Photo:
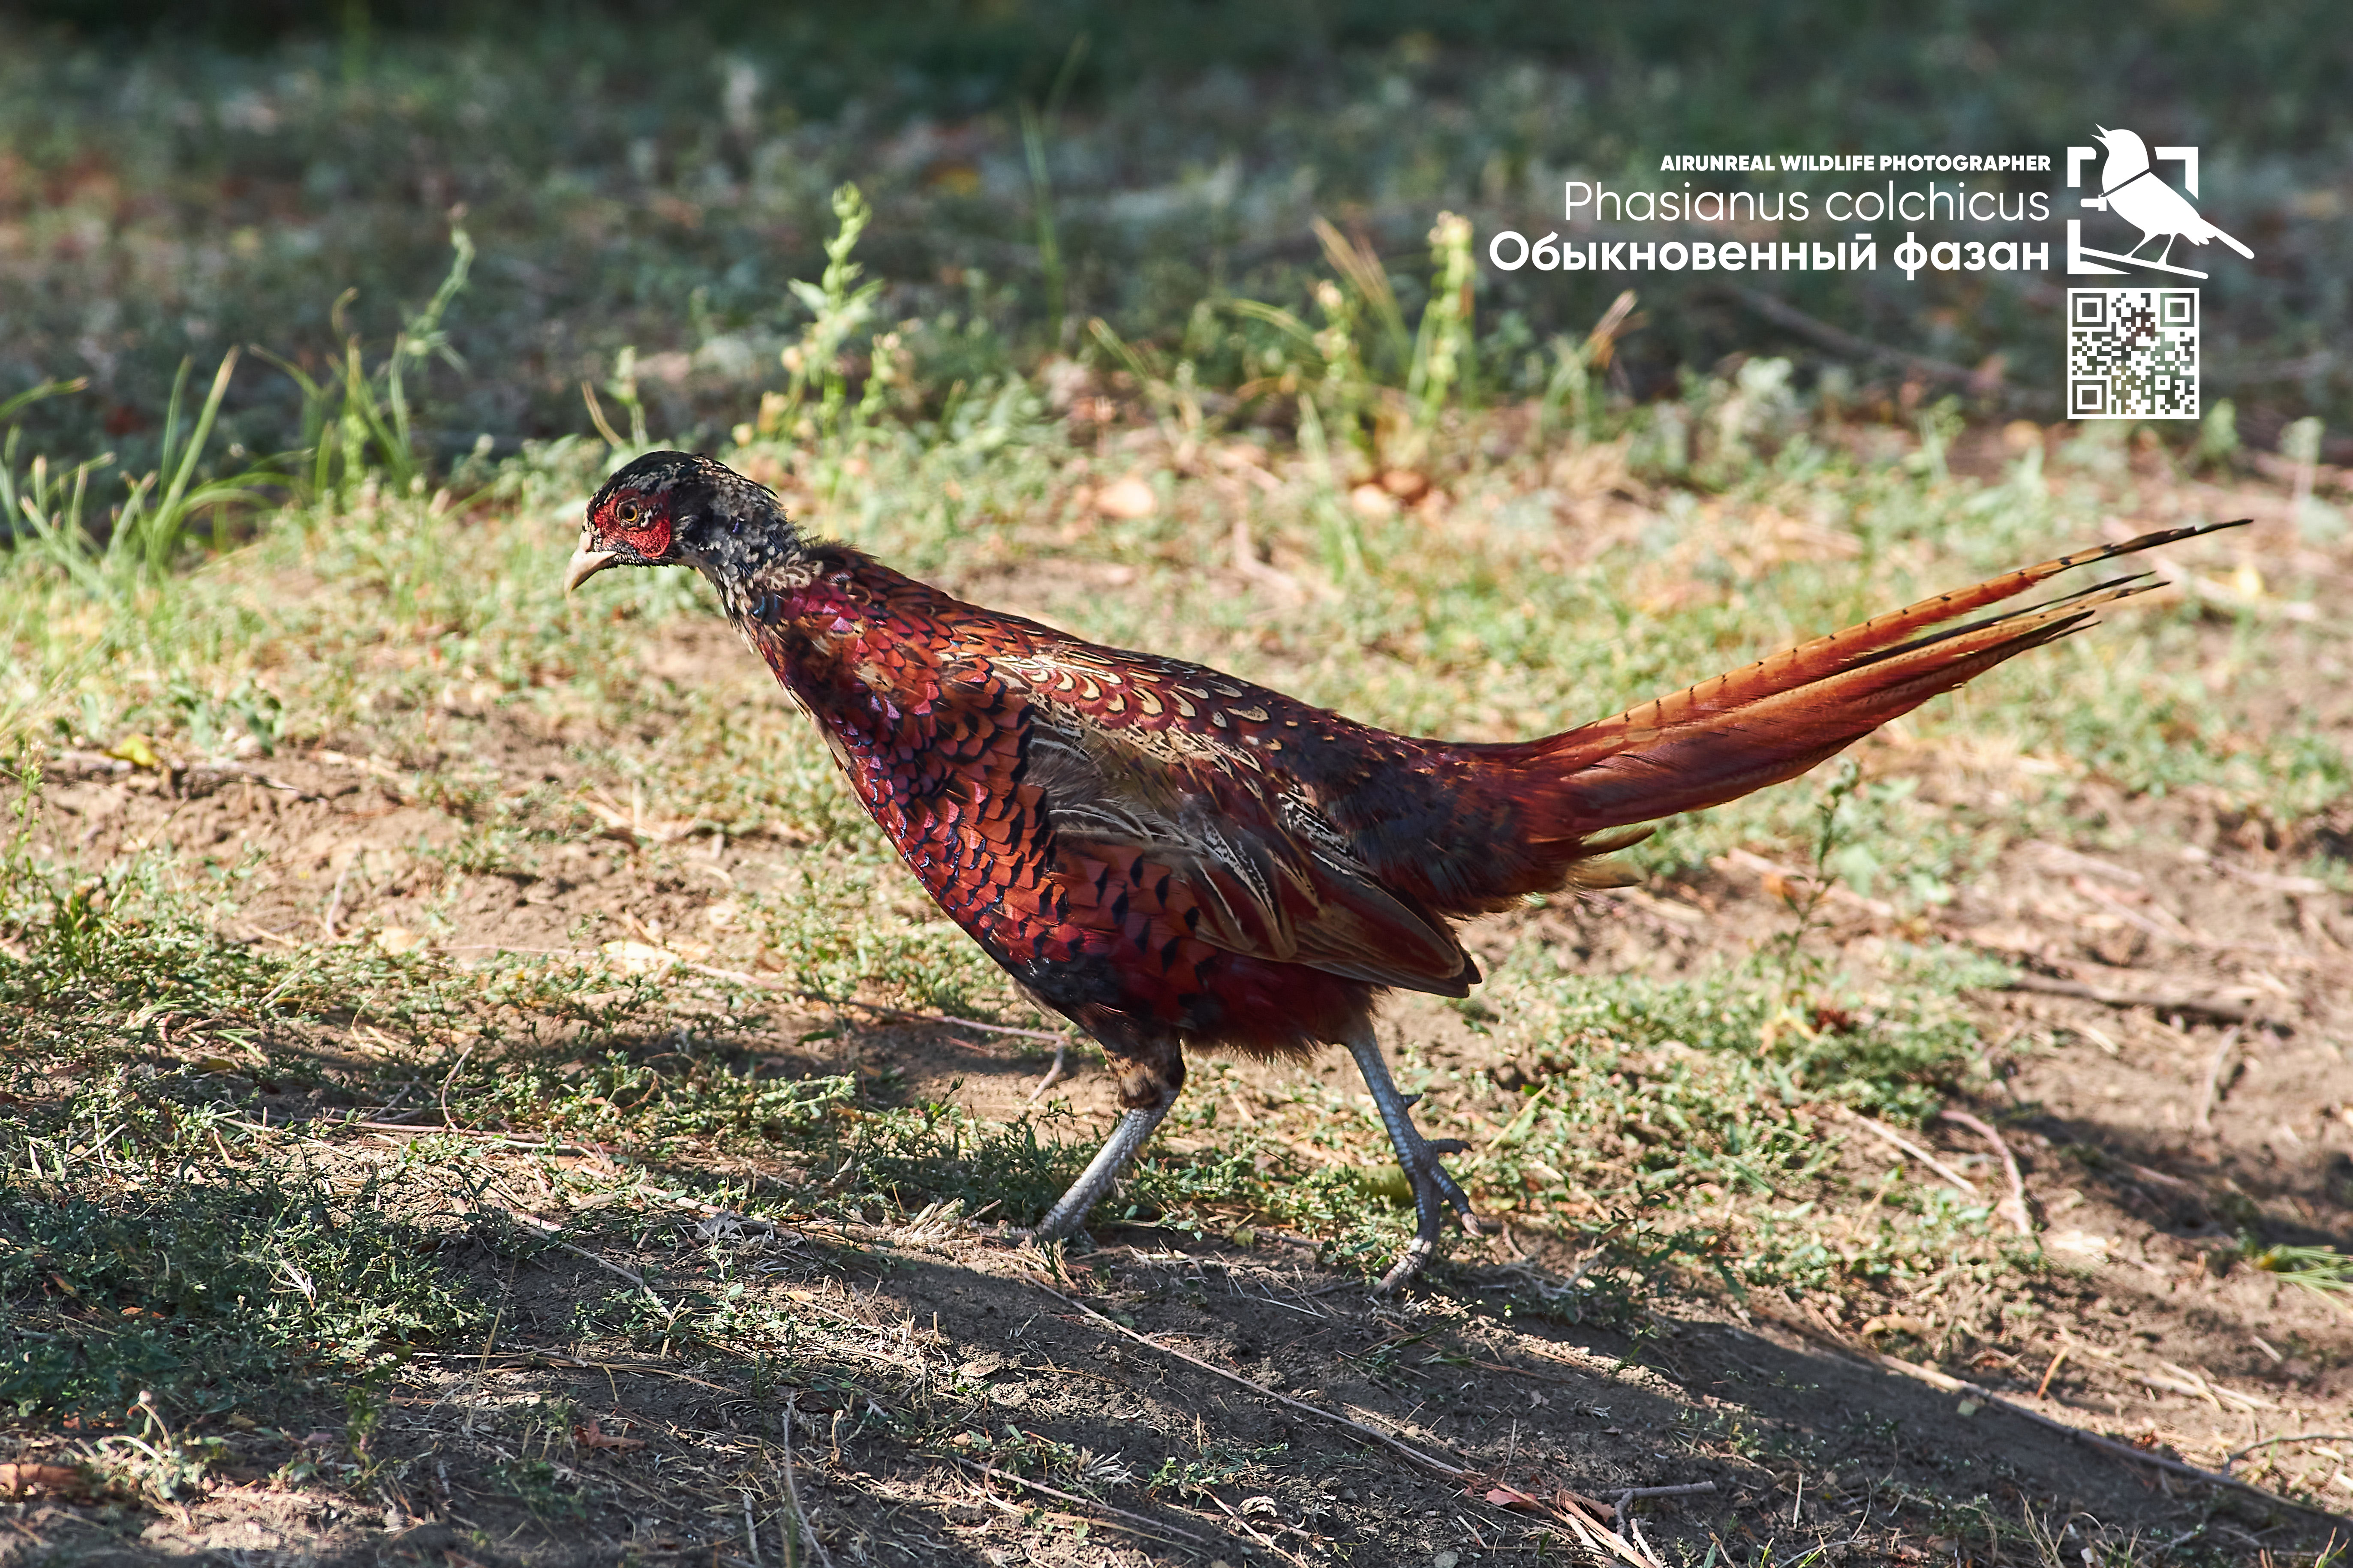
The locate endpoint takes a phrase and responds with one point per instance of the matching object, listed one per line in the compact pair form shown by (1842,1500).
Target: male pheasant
(1175,858)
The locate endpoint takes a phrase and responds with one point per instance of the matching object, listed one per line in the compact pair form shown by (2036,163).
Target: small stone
(1126,499)
(1445,1560)
(634,957)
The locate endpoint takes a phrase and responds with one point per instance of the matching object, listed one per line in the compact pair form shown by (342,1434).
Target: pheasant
(1174,859)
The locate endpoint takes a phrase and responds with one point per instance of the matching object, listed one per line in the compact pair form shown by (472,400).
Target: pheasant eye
(625,514)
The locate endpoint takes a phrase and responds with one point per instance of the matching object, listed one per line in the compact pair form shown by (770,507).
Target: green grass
(2322,1270)
(388,591)
(656,185)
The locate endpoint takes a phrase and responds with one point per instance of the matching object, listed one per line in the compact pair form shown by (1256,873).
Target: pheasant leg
(1071,1211)
(1433,1189)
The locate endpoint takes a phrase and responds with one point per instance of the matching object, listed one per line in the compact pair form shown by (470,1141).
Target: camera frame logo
(2132,353)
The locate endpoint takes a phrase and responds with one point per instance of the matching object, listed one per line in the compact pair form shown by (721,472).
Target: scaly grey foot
(1434,1191)
(1071,1211)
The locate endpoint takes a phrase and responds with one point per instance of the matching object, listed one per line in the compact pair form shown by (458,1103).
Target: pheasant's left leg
(1433,1189)
(1151,1073)
(1096,1180)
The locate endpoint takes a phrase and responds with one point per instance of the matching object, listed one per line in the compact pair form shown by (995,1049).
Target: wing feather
(1263,871)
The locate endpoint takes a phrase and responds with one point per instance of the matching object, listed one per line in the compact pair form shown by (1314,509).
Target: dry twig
(2220,1009)
(1054,1073)
(1888,1136)
(1248,1529)
(801,1529)
(2043,1388)
(1984,381)
(1600,1539)
(1134,1521)
(1430,1462)
(2209,1096)
(336,899)
(549,1230)
(2013,1207)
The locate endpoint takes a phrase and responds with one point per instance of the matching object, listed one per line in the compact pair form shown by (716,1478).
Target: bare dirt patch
(2149,1137)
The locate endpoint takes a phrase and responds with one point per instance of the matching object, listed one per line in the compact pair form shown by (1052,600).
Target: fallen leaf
(1511,1496)
(398,940)
(137,750)
(589,1436)
(2081,1244)
(28,1480)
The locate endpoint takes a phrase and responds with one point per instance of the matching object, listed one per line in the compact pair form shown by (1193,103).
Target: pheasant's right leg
(1434,1191)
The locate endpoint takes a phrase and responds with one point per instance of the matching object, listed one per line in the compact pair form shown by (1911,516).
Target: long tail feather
(1772,721)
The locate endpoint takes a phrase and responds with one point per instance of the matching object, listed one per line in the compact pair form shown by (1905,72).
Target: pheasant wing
(1239,857)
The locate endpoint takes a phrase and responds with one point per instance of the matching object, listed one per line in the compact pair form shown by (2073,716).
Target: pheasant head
(679,509)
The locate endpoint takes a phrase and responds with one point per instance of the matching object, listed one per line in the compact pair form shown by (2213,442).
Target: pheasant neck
(855,642)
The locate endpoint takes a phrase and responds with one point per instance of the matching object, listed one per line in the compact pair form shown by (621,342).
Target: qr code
(2132,354)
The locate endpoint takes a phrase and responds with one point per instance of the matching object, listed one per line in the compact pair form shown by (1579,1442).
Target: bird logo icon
(2130,187)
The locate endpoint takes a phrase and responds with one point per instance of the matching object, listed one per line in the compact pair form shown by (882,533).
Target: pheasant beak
(586,562)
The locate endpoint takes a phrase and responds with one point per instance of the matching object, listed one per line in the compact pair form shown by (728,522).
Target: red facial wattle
(648,532)
(626,523)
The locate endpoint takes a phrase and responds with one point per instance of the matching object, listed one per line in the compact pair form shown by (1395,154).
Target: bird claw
(1434,1191)
(1416,1253)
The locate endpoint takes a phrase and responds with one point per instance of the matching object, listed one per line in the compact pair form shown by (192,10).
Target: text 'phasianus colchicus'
(1174,859)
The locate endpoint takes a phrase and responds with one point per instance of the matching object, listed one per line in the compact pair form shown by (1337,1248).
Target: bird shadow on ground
(940,1398)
